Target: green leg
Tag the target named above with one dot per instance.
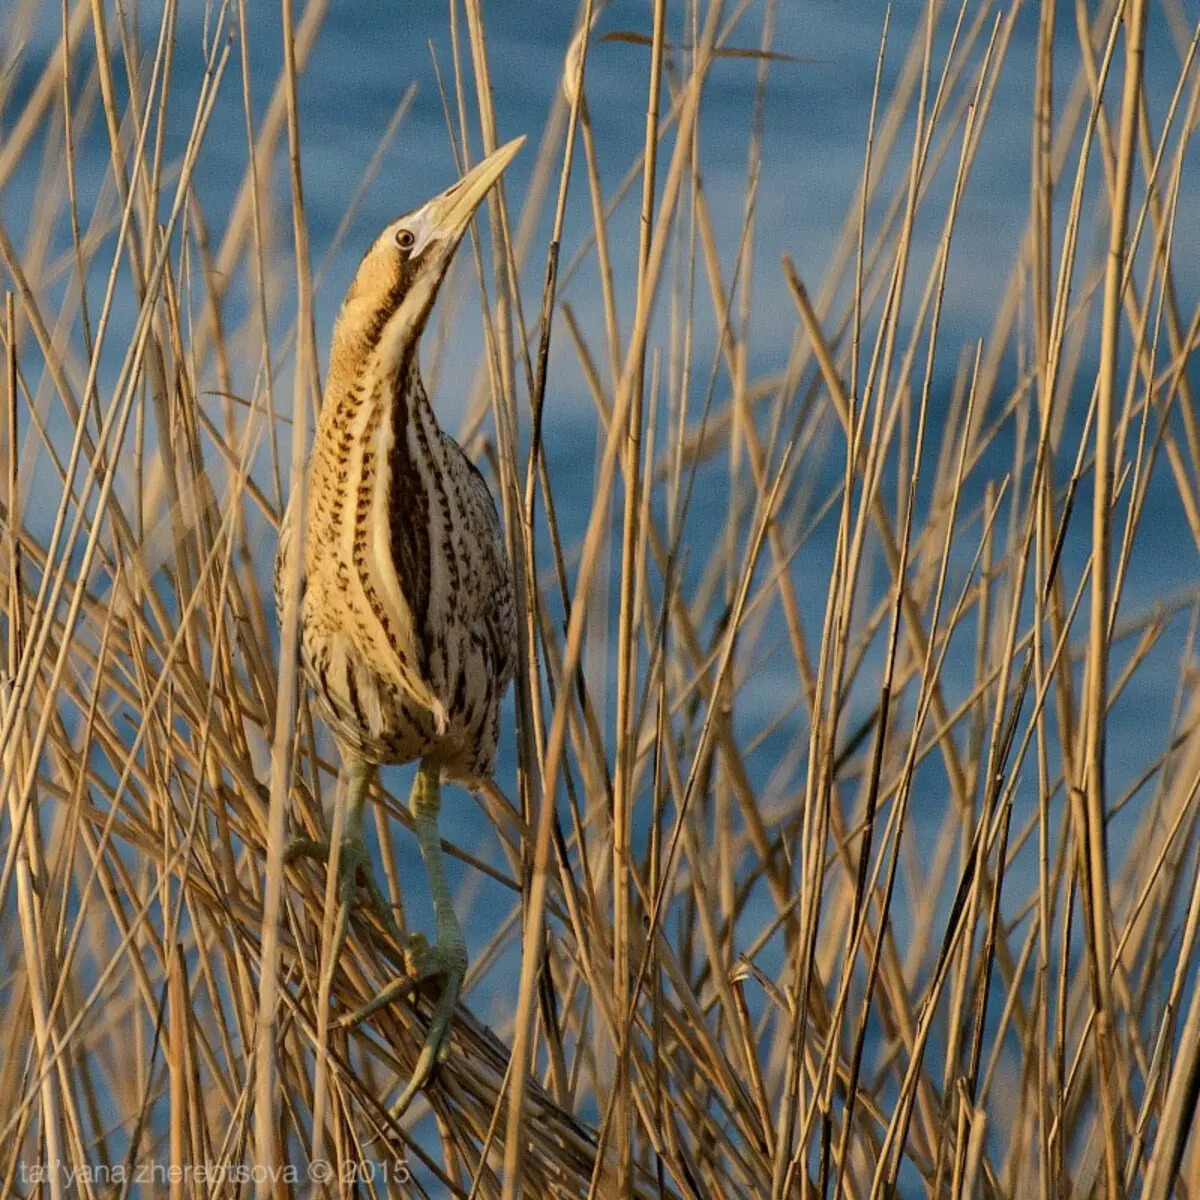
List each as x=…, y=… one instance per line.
x=446, y=958
x=352, y=857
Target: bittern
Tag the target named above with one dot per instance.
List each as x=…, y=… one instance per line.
x=408, y=628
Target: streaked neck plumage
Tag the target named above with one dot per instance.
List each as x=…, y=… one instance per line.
x=371, y=468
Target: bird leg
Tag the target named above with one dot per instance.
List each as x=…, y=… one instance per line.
x=352, y=859
x=446, y=958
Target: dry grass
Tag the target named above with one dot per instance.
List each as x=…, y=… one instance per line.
x=895, y=927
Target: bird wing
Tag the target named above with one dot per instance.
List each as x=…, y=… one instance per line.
x=490, y=607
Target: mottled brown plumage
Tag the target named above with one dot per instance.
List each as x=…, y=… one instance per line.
x=423, y=678
x=407, y=615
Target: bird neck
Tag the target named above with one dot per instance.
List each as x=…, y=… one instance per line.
x=370, y=387
x=375, y=417
x=372, y=487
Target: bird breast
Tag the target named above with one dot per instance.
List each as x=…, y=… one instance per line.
x=408, y=629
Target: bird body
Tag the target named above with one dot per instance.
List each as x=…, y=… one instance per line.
x=408, y=622
x=408, y=632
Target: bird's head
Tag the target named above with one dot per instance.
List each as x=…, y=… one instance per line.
x=397, y=281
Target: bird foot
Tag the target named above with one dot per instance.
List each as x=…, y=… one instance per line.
x=353, y=863
x=422, y=961
x=303, y=847
x=446, y=959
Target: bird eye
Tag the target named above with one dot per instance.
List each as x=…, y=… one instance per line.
x=405, y=239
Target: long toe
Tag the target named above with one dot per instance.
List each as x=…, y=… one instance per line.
x=352, y=860
x=304, y=847
x=421, y=962
x=424, y=962
x=351, y=856
x=436, y=1048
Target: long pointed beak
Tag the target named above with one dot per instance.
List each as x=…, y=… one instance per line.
x=451, y=212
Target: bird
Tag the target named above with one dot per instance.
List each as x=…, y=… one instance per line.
x=408, y=625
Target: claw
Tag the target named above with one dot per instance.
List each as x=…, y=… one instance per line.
x=423, y=962
x=451, y=963
x=436, y=1049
